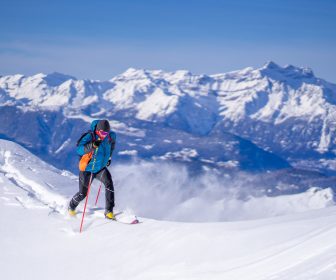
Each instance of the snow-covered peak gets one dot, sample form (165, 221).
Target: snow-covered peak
(271, 65)
(305, 71)
(153, 75)
(131, 73)
(178, 76)
(55, 79)
(288, 72)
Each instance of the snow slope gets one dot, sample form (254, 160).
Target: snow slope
(38, 241)
(164, 191)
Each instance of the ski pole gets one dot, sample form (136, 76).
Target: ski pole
(88, 192)
(98, 194)
(99, 186)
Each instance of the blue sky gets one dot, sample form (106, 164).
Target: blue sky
(99, 39)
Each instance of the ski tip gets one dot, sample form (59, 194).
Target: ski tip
(136, 221)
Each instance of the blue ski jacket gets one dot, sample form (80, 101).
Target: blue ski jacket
(104, 152)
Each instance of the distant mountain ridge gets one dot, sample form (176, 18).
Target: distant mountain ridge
(284, 110)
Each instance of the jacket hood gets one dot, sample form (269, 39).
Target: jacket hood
(94, 124)
(101, 124)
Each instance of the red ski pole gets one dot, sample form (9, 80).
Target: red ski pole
(98, 194)
(88, 192)
(99, 187)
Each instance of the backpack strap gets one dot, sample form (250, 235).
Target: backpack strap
(84, 134)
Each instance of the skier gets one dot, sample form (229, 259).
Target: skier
(96, 146)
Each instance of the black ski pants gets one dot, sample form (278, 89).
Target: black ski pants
(84, 180)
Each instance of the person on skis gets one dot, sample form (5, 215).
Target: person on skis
(95, 147)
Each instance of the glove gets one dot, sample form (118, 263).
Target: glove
(96, 144)
(108, 163)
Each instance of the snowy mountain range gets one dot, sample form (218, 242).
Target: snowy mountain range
(253, 119)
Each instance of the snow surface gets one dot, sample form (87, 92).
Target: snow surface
(39, 241)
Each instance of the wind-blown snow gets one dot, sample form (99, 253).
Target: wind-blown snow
(167, 192)
(46, 243)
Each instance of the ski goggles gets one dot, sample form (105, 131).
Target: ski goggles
(102, 134)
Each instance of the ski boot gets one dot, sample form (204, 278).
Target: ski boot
(72, 212)
(109, 215)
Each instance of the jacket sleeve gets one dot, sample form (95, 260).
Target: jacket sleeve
(85, 145)
(113, 142)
